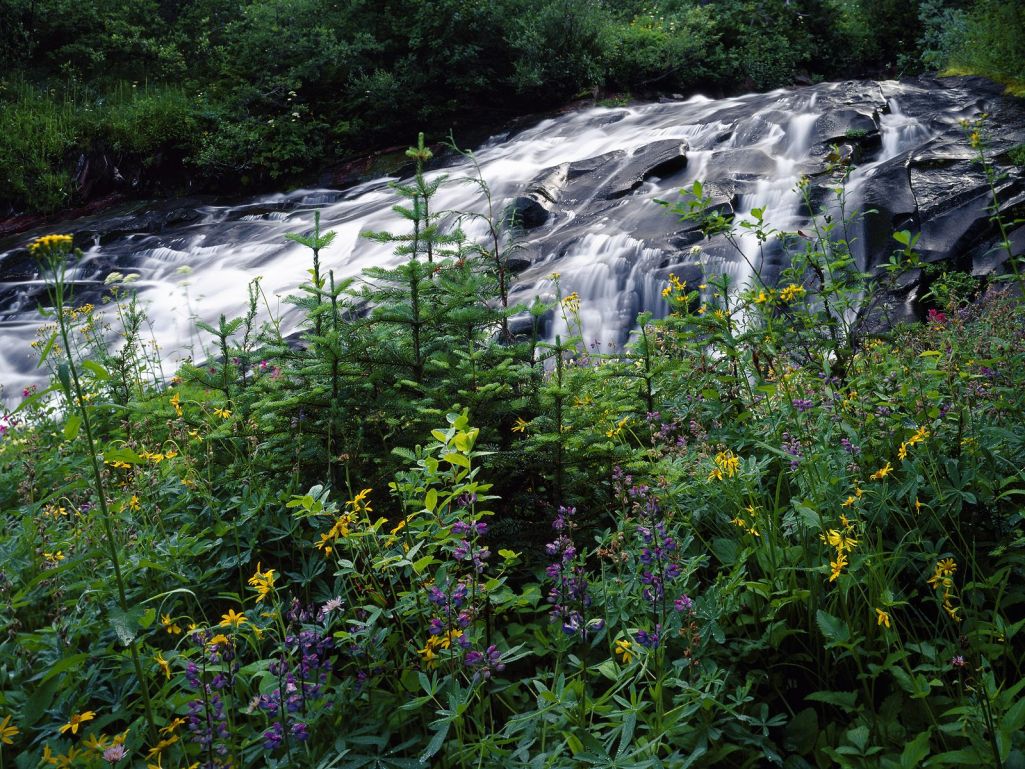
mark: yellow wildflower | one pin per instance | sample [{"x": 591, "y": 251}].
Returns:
[
  {"x": 882, "y": 472},
  {"x": 902, "y": 452},
  {"x": 161, "y": 746},
  {"x": 174, "y": 726},
  {"x": 726, "y": 465},
  {"x": 163, "y": 664},
  {"x": 882, "y": 618},
  {"x": 222, "y": 413},
  {"x": 47, "y": 244},
  {"x": 218, "y": 640},
  {"x": 169, "y": 625},
  {"x": 837, "y": 567},
  {"x": 133, "y": 503},
  {"x": 231, "y": 619},
  {"x": 841, "y": 541},
  {"x": 623, "y": 651},
  {"x": 76, "y": 721},
  {"x": 176, "y": 402},
  {"x": 520, "y": 426},
  {"x": 8, "y": 732},
  {"x": 572, "y": 302},
  {"x": 263, "y": 581},
  {"x": 791, "y": 292}
]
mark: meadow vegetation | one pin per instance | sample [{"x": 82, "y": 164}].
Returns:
[{"x": 419, "y": 534}]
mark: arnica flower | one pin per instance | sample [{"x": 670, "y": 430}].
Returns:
[
  {"x": 76, "y": 721},
  {"x": 8, "y": 732},
  {"x": 726, "y": 465},
  {"x": 623, "y": 651},
  {"x": 170, "y": 625},
  {"x": 520, "y": 426},
  {"x": 232, "y": 619},
  {"x": 163, "y": 664},
  {"x": 176, "y": 402},
  {"x": 837, "y": 567},
  {"x": 840, "y": 540},
  {"x": 883, "y": 618},
  {"x": 262, "y": 582},
  {"x": 222, "y": 413},
  {"x": 882, "y": 472}
]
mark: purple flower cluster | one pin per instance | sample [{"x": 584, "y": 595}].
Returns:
[
  {"x": 849, "y": 447},
  {"x": 469, "y": 548},
  {"x": 302, "y": 670},
  {"x": 666, "y": 433},
  {"x": 485, "y": 663},
  {"x": 793, "y": 448},
  {"x": 569, "y": 595},
  {"x": 210, "y": 678},
  {"x": 656, "y": 556},
  {"x": 455, "y": 613},
  {"x": 803, "y": 404}
]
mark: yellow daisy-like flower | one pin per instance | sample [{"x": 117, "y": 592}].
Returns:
[
  {"x": 623, "y": 651},
  {"x": 76, "y": 721},
  {"x": 161, "y": 746},
  {"x": 882, "y": 472},
  {"x": 170, "y": 625},
  {"x": 902, "y": 452},
  {"x": 882, "y": 618},
  {"x": 163, "y": 664},
  {"x": 133, "y": 503},
  {"x": 176, "y": 400},
  {"x": 7, "y": 731},
  {"x": 841, "y": 541},
  {"x": 837, "y": 567},
  {"x": 231, "y": 619},
  {"x": 520, "y": 426},
  {"x": 97, "y": 742},
  {"x": 263, "y": 581},
  {"x": 222, "y": 413},
  {"x": 218, "y": 640},
  {"x": 174, "y": 726}
]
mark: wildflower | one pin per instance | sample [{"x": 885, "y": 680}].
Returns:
[
  {"x": 133, "y": 503},
  {"x": 173, "y": 727},
  {"x": 572, "y": 302},
  {"x": 218, "y": 640},
  {"x": 902, "y": 452},
  {"x": 169, "y": 625},
  {"x": 791, "y": 292},
  {"x": 623, "y": 650},
  {"x": 114, "y": 753},
  {"x": 849, "y": 502},
  {"x": 54, "y": 558},
  {"x": 97, "y": 742},
  {"x": 947, "y": 567},
  {"x": 48, "y": 244},
  {"x": 263, "y": 582},
  {"x": 164, "y": 665},
  {"x": 952, "y": 611},
  {"x": 958, "y": 661},
  {"x": 837, "y": 567},
  {"x": 882, "y": 618},
  {"x": 726, "y": 465},
  {"x": 882, "y": 472},
  {"x": 920, "y": 435},
  {"x": 8, "y": 732},
  {"x": 841, "y": 541},
  {"x": 76, "y": 721},
  {"x": 161, "y": 746},
  {"x": 222, "y": 413},
  {"x": 231, "y": 619},
  {"x": 520, "y": 426},
  {"x": 176, "y": 402}
]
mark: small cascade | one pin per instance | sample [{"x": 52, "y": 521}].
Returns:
[{"x": 597, "y": 173}]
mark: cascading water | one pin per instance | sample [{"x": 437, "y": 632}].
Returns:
[{"x": 600, "y": 171}]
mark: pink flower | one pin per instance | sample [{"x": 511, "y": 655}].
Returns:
[{"x": 937, "y": 317}]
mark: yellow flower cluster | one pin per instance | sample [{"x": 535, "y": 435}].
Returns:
[
  {"x": 727, "y": 464},
  {"x": 675, "y": 286},
  {"x": 943, "y": 579},
  {"x": 623, "y": 650},
  {"x": 791, "y": 292},
  {"x": 572, "y": 302},
  {"x": 882, "y": 472},
  {"x": 751, "y": 527},
  {"x": 616, "y": 430},
  {"x": 436, "y": 642},
  {"x": 843, "y": 541},
  {"x": 262, "y": 582},
  {"x": 920, "y": 435},
  {"x": 50, "y": 244}
]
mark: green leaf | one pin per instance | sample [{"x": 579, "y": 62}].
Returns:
[
  {"x": 431, "y": 501},
  {"x": 843, "y": 700},
  {"x": 833, "y": 628},
  {"x": 96, "y": 370},
  {"x": 436, "y": 742},
  {"x": 72, "y": 426},
  {"x": 915, "y": 751}
]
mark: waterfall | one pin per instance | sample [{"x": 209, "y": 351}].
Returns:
[{"x": 613, "y": 247}]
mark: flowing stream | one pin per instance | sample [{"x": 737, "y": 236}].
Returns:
[{"x": 614, "y": 250}]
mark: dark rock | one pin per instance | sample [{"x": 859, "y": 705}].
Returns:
[{"x": 526, "y": 212}]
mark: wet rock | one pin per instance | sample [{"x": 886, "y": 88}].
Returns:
[{"x": 526, "y": 212}]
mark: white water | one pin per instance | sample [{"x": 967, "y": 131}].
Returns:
[{"x": 612, "y": 267}]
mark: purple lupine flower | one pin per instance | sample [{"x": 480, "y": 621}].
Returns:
[
  {"x": 684, "y": 604},
  {"x": 803, "y": 404},
  {"x": 792, "y": 446}
]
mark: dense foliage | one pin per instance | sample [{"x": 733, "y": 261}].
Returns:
[
  {"x": 228, "y": 95},
  {"x": 420, "y": 535}
]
